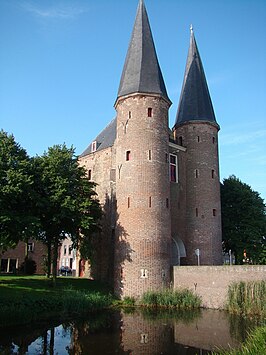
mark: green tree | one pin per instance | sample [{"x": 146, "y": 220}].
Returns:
[
  {"x": 67, "y": 202},
  {"x": 243, "y": 220},
  {"x": 17, "y": 220}
]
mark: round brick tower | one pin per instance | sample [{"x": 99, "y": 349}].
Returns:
[
  {"x": 196, "y": 129},
  {"x": 143, "y": 228}
]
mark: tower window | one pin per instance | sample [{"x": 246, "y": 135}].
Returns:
[
  {"x": 69, "y": 249},
  {"x": 149, "y": 154},
  {"x": 167, "y": 203},
  {"x": 93, "y": 146},
  {"x": 128, "y": 202},
  {"x": 150, "y": 201},
  {"x": 89, "y": 174},
  {"x": 197, "y": 212},
  {"x": 214, "y": 212},
  {"x": 198, "y": 138},
  {"x": 128, "y": 155},
  {"x": 180, "y": 141},
  {"x": 144, "y": 273},
  {"x": 65, "y": 249},
  {"x": 196, "y": 173},
  {"x": 173, "y": 168},
  {"x": 213, "y": 140},
  {"x": 129, "y": 114},
  {"x": 212, "y": 174},
  {"x": 149, "y": 112}
]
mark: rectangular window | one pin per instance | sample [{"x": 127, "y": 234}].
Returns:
[
  {"x": 129, "y": 114},
  {"x": 212, "y": 174},
  {"x": 128, "y": 202},
  {"x": 149, "y": 154},
  {"x": 173, "y": 168},
  {"x": 150, "y": 201},
  {"x": 197, "y": 212},
  {"x": 167, "y": 203},
  {"x": 127, "y": 155},
  {"x": 65, "y": 249},
  {"x": 196, "y": 173},
  {"x": 214, "y": 212},
  {"x": 89, "y": 174},
  {"x": 69, "y": 249},
  {"x": 144, "y": 273},
  {"x": 4, "y": 265},
  {"x": 93, "y": 146},
  {"x": 30, "y": 247},
  {"x": 149, "y": 112}
]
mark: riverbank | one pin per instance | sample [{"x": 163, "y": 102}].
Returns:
[{"x": 27, "y": 299}]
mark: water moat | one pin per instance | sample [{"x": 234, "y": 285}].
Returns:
[{"x": 131, "y": 332}]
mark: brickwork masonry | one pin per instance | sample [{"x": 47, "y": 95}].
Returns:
[{"x": 211, "y": 282}]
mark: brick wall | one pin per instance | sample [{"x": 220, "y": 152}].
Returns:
[
  {"x": 37, "y": 254},
  {"x": 202, "y": 223},
  {"x": 143, "y": 228},
  {"x": 102, "y": 170},
  {"x": 211, "y": 282}
]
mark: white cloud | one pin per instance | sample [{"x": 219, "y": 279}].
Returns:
[
  {"x": 58, "y": 11},
  {"x": 241, "y": 138}
]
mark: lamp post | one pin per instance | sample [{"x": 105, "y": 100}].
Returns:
[{"x": 197, "y": 252}]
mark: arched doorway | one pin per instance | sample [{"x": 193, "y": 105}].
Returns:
[{"x": 177, "y": 251}]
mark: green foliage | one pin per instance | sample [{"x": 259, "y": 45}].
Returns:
[
  {"x": 254, "y": 344},
  {"x": 67, "y": 202},
  {"x": 17, "y": 220},
  {"x": 181, "y": 299},
  {"x": 243, "y": 221},
  {"x": 129, "y": 301},
  {"x": 247, "y": 298}
]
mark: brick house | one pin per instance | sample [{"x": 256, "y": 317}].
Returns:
[
  {"x": 12, "y": 259},
  {"x": 159, "y": 187}
]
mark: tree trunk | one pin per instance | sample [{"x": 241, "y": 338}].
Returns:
[
  {"x": 55, "y": 256},
  {"x": 49, "y": 258}
]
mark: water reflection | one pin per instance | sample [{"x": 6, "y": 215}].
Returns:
[{"x": 130, "y": 332}]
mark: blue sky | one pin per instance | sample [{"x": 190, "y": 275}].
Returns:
[{"x": 61, "y": 62}]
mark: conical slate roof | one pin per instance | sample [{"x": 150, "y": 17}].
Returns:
[
  {"x": 195, "y": 101},
  {"x": 141, "y": 71}
]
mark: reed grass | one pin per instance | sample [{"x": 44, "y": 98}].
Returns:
[
  {"x": 255, "y": 344},
  {"x": 181, "y": 299},
  {"x": 247, "y": 298}
]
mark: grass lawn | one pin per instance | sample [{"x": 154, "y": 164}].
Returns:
[{"x": 27, "y": 298}]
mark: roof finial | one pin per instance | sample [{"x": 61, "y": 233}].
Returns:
[{"x": 191, "y": 28}]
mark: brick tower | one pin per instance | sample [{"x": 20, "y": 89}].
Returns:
[
  {"x": 196, "y": 129},
  {"x": 143, "y": 228}
]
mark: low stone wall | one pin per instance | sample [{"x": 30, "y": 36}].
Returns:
[{"x": 211, "y": 282}]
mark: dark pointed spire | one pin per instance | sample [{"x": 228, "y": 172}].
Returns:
[
  {"x": 141, "y": 71},
  {"x": 195, "y": 101}
]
